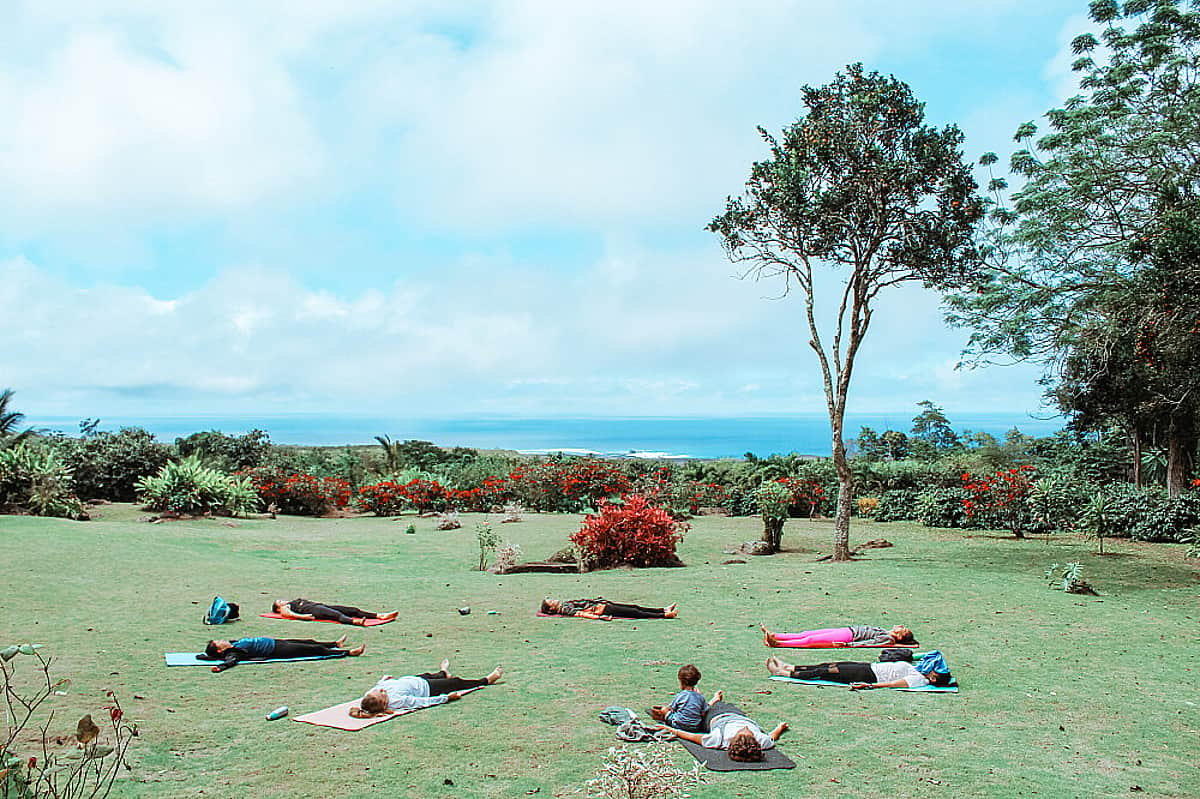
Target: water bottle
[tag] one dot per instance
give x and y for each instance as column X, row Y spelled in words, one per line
column 277, row 713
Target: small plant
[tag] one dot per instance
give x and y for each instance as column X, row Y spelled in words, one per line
column 774, row 500
column 84, row 770
column 488, row 540
column 1068, row 577
column 867, row 506
column 35, row 479
column 512, row 513
column 507, row 556
column 1097, row 519
column 410, row 530
column 448, row 520
column 642, row 773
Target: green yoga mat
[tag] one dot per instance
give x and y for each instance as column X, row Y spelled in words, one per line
column 952, row 688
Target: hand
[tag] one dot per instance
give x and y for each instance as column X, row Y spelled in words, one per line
column 605, row 618
column 784, row 726
column 658, row 713
column 719, row 696
column 838, row 644
column 216, row 669
column 861, row 686
column 453, row 696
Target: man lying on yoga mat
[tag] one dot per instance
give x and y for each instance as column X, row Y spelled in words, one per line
column 854, row 635
column 731, row 729
column 603, row 609
column 417, row 691
column 306, row 609
column 231, row 652
column 929, row 670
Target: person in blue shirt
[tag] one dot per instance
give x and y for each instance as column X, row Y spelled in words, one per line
column 230, row 653
column 687, row 709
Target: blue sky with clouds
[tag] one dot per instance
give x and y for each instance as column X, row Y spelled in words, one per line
column 454, row 208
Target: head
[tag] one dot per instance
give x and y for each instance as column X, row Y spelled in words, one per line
column 549, row 606
column 744, row 747
column 216, row 649
column 373, row 703
column 934, row 667
column 278, row 605
column 902, row 635
column 234, row 612
column 689, row 676
column 939, row 678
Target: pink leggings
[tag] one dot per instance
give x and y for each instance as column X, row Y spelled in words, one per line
column 815, row 638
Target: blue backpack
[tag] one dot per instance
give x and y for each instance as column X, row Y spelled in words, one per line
column 221, row 611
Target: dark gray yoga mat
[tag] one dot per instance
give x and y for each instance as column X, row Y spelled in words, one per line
column 719, row 760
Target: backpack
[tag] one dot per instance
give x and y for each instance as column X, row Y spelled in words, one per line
column 891, row 655
column 221, row 611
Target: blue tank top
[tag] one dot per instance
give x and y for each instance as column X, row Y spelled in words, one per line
column 256, row 647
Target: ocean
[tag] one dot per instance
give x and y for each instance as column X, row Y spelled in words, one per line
column 680, row 437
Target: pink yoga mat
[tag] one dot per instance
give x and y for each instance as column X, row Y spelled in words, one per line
column 861, row 646
column 366, row 622
column 339, row 718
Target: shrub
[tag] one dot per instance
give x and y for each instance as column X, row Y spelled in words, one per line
column 633, row 533
column 1150, row 514
column 807, row 496
column 426, row 495
column 898, row 505
column 941, row 507
column 867, row 505
column 488, row 539
column 228, row 453
column 34, row 479
column 448, row 520
column 383, row 499
column 299, row 494
column 642, row 773
column 1000, row 499
column 108, row 465
column 190, row 487
column 775, row 500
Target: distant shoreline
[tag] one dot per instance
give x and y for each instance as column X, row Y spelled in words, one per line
column 664, row 437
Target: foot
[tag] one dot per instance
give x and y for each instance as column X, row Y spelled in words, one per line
column 494, row 677
column 671, row 611
column 338, row 643
column 446, row 666
column 359, row 620
column 356, row 651
column 778, row 667
column 719, row 696
column 768, row 637
column 391, row 614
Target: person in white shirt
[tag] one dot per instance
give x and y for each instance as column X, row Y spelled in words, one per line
column 859, row 676
column 732, row 730
column 416, row 691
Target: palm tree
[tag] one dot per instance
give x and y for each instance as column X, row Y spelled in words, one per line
column 10, row 421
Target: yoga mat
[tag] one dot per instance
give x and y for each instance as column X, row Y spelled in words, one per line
column 858, row 646
column 541, row 615
column 952, row 688
column 719, row 760
column 366, row 622
column 338, row 717
column 195, row 659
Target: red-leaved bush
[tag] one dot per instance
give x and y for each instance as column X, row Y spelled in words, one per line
column 299, row 494
column 633, row 533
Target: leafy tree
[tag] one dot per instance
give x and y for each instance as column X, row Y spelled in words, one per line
column 10, row 420
column 860, row 183
column 895, row 445
column 1072, row 275
column 226, row 452
column 931, row 432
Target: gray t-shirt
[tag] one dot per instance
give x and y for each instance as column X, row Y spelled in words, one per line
column 899, row 670
column 727, row 725
column 863, row 635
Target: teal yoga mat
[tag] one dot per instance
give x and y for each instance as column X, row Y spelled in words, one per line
column 952, row 688
column 194, row 659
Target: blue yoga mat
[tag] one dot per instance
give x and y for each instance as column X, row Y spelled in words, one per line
column 952, row 688
column 195, row 659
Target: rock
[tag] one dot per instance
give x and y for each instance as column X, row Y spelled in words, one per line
column 756, row 548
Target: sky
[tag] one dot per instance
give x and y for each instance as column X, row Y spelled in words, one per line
column 456, row 208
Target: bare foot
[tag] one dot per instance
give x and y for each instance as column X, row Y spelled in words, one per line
column 359, row 620
column 671, row 611
column 391, row 614
column 494, row 677
column 778, row 667
column 446, row 666
column 356, row 651
column 338, row 643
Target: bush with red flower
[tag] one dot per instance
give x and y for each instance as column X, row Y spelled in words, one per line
column 300, row 494
column 386, row 498
column 631, row 532
column 1001, row 499
column 807, row 496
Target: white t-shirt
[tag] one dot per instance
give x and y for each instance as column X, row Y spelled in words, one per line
column 408, row 693
column 899, row 670
column 727, row 725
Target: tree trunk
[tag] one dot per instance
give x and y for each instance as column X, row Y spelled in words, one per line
column 841, row 528
column 1181, row 450
column 1136, row 435
column 773, row 534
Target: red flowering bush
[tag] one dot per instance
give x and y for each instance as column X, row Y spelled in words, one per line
column 807, row 495
column 1001, row 499
column 300, row 494
column 696, row 494
column 383, row 499
column 632, row 532
column 427, row 495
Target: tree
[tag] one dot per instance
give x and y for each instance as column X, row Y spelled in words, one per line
column 10, row 420
column 931, row 432
column 860, row 183
column 1068, row 273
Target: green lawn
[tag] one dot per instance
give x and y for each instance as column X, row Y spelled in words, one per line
column 1061, row 695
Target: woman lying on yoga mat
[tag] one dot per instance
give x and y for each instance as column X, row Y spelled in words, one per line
column 603, row 609
column 854, row 635
column 307, row 609
column 420, row 690
column 929, row 670
column 731, row 729
column 231, row 652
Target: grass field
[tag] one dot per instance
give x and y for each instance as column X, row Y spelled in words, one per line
column 1062, row 695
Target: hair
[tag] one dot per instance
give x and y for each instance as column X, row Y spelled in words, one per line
column 939, row 677
column 370, row 705
column 907, row 639
column 689, row 675
column 234, row 612
column 745, row 749
column 276, row 604
column 211, row 651
column 549, row 611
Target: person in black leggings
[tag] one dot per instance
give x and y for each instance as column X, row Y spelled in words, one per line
column 600, row 608
column 392, row 694
column 307, row 609
column 230, row 653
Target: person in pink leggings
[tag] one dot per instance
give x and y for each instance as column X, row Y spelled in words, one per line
column 854, row 635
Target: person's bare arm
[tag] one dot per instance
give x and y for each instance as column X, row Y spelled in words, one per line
column 287, row 612
column 862, row 686
column 687, row 736
column 780, row 730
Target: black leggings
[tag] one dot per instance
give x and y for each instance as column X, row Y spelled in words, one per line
column 440, row 684
column 623, row 611
column 342, row 614
column 305, row 647
column 843, row 671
